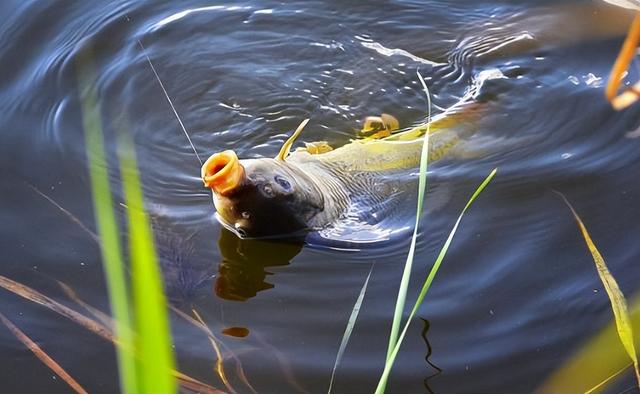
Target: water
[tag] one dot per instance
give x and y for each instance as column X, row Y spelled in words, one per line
column 518, row 292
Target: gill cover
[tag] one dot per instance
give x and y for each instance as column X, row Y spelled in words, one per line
column 286, row 147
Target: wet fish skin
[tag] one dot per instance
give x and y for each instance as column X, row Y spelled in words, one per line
column 307, row 192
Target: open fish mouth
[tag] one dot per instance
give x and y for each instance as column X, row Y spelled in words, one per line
column 222, row 172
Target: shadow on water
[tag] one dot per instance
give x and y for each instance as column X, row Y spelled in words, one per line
column 184, row 275
column 426, row 325
column 241, row 272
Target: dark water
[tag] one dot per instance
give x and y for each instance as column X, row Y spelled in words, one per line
column 517, row 293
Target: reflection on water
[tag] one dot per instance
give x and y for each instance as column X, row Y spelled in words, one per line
column 241, row 272
column 184, row 275
column 436, row 370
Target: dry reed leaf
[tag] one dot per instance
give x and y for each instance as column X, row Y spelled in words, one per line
column 102, row 317
column 214, row 341
column 93, row 326
column 626, row 98
column 39, row 298
column 618, row 302
column 69, row 215
column 219, row 359
column 620, row 67
column 44, row 357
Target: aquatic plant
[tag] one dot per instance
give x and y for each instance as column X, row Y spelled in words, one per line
column 396, row 337
column 349, row 329
column 145, row 357
column 427, row 284
column 42, row 355
column 621, row 65
column 422, row 186
column 600, row 361
column 100, row 328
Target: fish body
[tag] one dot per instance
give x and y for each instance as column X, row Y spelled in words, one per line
column 304, row 191
column 311, row 189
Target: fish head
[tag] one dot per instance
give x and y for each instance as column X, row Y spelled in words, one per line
column 262, row 197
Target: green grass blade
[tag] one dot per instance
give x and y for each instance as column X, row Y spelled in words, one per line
column 106, row 223
column 618, row 302
column 427, row 284
column 406, row 274
column 153, row 339
column 349, row 329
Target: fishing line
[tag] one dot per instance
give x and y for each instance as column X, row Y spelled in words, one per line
column 144, row 52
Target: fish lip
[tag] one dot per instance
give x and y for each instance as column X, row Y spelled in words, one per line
column 223, row 172
column 310, row 191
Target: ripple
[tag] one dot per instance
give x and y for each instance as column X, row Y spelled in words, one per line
column 398, row 52
column 179, row 15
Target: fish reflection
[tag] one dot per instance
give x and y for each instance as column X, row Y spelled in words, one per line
column 241, row 273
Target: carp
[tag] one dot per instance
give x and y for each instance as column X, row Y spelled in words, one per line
column 316, row 186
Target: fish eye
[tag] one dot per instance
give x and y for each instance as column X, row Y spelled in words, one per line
column 282, row 182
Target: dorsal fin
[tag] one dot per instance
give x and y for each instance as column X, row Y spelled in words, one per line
column 284, row 151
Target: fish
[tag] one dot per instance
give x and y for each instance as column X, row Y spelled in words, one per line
column 307, row 190
column 316, row 186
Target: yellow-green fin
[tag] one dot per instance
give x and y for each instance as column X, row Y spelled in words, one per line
column 284, row 151
column 317, row 147
column 376, row 127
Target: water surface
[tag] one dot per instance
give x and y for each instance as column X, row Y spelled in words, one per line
column 518, row 292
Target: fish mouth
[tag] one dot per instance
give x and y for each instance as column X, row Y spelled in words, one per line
column 222, row 172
